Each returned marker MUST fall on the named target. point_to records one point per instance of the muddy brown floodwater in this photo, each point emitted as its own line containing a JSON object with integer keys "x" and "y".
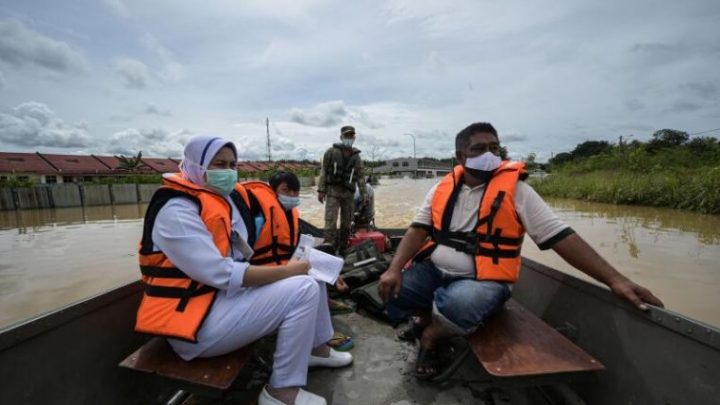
{"x": 51, "y": 258}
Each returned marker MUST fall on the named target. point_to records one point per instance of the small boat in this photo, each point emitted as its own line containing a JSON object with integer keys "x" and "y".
{"x": 657, "y": 357}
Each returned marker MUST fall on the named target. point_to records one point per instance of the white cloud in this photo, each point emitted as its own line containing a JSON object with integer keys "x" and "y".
{"x": 547, "y": 75}
{"x": 151, "y": 142}
{"x": 20, "y": 47}
{"x": 171, "y": 70}
{"x": 33, "y": 124}
{"x": 134, "y": 73}
{"x": 326, "y": 114}
{"x": 333, "y": 113}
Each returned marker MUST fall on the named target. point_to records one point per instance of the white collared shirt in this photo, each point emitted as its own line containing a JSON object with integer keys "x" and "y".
{"x": 540, "y": 223}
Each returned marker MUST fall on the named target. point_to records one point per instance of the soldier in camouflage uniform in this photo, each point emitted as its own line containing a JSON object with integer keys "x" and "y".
{"x": 341, "y": 171}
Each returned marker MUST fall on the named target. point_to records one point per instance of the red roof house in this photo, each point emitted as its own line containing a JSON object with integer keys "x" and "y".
{"x": 24, "y": 163}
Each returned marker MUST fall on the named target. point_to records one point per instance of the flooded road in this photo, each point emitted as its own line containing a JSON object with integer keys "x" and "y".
{"x": 51, "y": 258}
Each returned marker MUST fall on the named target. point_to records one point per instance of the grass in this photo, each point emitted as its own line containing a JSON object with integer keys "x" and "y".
{"x": 695, "y": 189}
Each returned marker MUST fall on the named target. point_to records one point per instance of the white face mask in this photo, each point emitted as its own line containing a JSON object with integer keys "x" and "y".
{"x": 486, "y": 162}
{"x": 348, "y": 141}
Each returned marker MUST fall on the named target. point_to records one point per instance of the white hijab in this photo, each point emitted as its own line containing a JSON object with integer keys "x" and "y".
{"x": 199, "y": 152}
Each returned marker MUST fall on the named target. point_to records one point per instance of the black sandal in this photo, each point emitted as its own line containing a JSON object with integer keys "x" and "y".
{"x": 411, "y": 332}
{"x": 428, "y": 362}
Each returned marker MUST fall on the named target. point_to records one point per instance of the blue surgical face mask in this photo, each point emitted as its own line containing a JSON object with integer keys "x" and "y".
{"x": 348, "y": 141}
{"x": 288, "y": 202}
{"x": 222, "y": 180}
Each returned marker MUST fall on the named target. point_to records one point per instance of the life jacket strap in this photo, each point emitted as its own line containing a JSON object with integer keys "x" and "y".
{"x": 424, "y": 254}
{"x": 162, "y": 272}
{"x": 271, "y": 259}
{"x": 466, "y": 242}
{"x": 500, "y": 240}
{"x": 498, "y": 253}
{"x": 280, "y": 247}
{"x": 184, "y": 294}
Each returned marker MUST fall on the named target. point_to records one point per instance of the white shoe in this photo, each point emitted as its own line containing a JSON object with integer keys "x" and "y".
{"x": 303, "y": 398}
{"x": 335, "y": 359}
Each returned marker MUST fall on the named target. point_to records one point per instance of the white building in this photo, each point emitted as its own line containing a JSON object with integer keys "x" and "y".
{"x": 413, "y": 167}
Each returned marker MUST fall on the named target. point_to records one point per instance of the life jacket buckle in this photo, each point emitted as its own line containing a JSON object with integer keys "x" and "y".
{"x": 471, "y": 242}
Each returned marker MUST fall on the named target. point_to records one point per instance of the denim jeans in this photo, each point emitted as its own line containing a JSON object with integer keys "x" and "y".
{"x": 461, "y": 304}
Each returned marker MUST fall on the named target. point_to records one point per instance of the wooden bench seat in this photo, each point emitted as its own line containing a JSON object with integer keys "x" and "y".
{"x": 516, "y": 343}
{"x": 217, "y": 373}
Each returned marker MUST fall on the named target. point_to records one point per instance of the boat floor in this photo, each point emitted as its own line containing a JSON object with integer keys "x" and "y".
{"x": 382, "y": 374}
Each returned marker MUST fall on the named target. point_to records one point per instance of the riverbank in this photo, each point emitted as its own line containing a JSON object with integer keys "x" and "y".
{"x": 670, "y": 170}
{"x": 695, "y": 189}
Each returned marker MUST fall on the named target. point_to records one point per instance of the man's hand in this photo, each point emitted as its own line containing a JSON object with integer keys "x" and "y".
{"x": 321, "y": 197}
{"x": 341, "y": 285}
{"x": 636, "y": 294}
{"x": 390, "y": 283}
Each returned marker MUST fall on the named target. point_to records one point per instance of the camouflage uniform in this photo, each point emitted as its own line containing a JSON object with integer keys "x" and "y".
{"x": 341, "y": 171}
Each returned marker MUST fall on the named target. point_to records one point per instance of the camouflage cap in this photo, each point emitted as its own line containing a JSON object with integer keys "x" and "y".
{"x": 347, "y": 130}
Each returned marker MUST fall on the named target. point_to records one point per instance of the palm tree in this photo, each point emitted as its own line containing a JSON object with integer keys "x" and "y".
{"x": 131, "y": 164}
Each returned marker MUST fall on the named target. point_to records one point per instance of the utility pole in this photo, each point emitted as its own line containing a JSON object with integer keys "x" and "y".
{"x": 414, "y": 154}
{"x": 267, "y": 131}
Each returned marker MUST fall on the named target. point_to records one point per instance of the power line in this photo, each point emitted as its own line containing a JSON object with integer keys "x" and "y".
{"x": 705, "y": 132}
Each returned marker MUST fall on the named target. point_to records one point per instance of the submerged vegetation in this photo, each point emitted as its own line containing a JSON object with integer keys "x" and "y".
{"x": 670, "y": 170}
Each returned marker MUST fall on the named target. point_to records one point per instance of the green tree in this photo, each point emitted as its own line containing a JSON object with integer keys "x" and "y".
{"x": 530, "y": 163}
{"x": 702, "y": 144}
{"x": 591, "y": 148}
{"x": 131, "y": 164}
{"x": 560, "y": 158}
{"x": 670, "y": 137}
{"x": 16, "y": 182}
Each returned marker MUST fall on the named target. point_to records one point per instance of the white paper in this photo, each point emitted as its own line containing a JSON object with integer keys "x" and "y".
{"x": 305, "y": 243}
{"x": 323, "y": 267}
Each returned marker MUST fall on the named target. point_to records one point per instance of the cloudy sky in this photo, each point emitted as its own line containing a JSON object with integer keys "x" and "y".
{"x": 120, "y": 76}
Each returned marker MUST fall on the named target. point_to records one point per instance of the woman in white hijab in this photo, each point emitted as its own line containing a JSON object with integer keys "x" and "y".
{"x": 251, "y": 301}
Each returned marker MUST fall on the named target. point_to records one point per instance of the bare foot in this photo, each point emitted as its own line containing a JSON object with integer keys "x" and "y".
{"x": 432, "y": 333}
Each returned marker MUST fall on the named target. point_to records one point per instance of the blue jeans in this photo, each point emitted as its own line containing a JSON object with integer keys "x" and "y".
{"x": 461, "y": 304}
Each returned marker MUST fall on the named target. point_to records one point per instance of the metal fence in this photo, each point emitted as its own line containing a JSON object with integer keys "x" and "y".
{"x": 83, "y": 195}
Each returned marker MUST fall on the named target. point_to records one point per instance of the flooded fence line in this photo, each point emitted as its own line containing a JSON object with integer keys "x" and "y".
{"x": 84, "y": 195}
{"x": 74, "y": 195}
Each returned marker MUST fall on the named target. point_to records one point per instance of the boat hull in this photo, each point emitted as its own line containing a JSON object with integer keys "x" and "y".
{"x": 653, "y": 357}
{"x": 71, "y": 355}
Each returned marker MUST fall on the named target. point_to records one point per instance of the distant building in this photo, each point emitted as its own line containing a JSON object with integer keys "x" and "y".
{"x": 412, "y": 166}
{"x": 44, "y": 168}
{"x": 25, "y": 166}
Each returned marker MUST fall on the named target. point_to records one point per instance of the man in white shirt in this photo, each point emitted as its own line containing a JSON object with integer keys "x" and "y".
{"x": 471, "y": 263}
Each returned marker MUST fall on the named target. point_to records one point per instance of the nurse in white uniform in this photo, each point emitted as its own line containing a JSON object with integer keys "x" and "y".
{"x": 252, "y": 301}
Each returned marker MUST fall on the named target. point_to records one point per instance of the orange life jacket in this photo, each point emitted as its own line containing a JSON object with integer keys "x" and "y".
{"x": 498, "y": 233}
{"x": 279, "y": 234}
{"x": 174, "y": 305}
